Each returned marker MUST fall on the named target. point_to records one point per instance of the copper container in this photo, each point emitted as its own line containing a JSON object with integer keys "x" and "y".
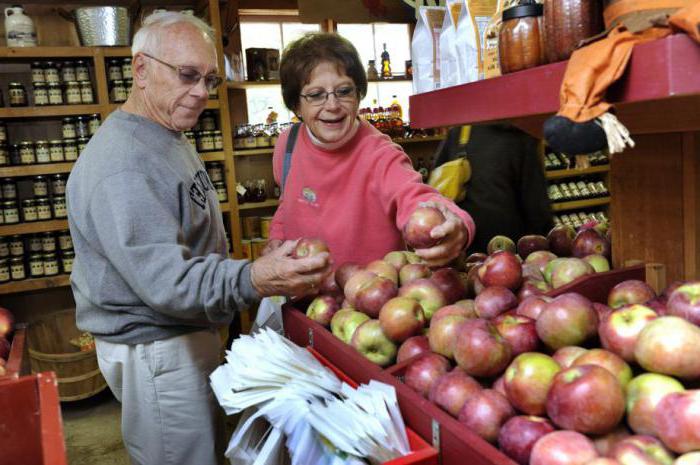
{"x": 521, "y": 38}
{"x": 567, "y": 23}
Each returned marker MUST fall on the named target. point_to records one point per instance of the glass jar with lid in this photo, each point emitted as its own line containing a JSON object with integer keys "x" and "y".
{"x": 213, "y": 93}
{"x": 82, "y": 127}
{"x": 29, "y": 210}
{"x": 65, "y": 242}
{"x": 59, "y": 206}
{"x": 36, "y": 265}
{"x": 37, "y": 69}
{"x": 205, "y": 141}
{"x": 26, "y": 153}
{"x": 82, "y": 143}
{"x": 17, "y": 272}
{"x": 34, "y": 243}
{"x": 9, "y": 189}
{"x": 40, "y": 186}
{"x": 94, "y": 123}
{"x": 86, "y": 95}
{"x": 51, "y": 74}
{"x": 4, "y": 247}
{"x": 250, "y": 141}
{"x": 521, "y": 38}
{"x": 14, "y": 154}
{"x": 238, "y": 138}
{"x": 81, "y": 71}
{"x": 10, "y": 212}
{"x": 18, "y": 94}
{"x": 50, "y": 264}
{"x": 118, "y": 93}
{"x": 70, "y": 150}
{"x": 3, "y": 132}
{"x": 215, "y": 172}
{"x": 55, "y": 94}
{"x": 114, "y": 70}
{"x": 41, "y": 94}
{"x": 4, "y": 154}
{"x": 68, "y": 71}
{"x": 221, "y": 193}
{"x": 73, "y": 96}
{"x": 191, "y": 138}
{"x": 126, "y": 68}
{"x": 42, "y": 151}
{"x": 4, "y": 270}
{"x": 67, "y": 259}
{"x": 56, "y": 150}
{"x": 208, "y": 121}
{"x": 218, "y": 140}
{"x": 16, "y": 245}
{"x": 43, "y": 208}
{"x": 58, "y": 184}
{"x": 48, "y": 242}
{"x": 68, "y": 128}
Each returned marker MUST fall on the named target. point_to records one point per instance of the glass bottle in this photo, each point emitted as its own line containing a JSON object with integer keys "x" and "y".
{"x": 372, "y": 73}
{"x": 386, "y": 64}
{"x": 260, "y": 190}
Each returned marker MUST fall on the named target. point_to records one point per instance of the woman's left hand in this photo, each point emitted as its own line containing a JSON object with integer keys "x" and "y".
{"x": 453, "y": 234}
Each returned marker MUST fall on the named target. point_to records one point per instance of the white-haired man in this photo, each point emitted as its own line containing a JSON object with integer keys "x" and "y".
{"x": 151, "y": 277}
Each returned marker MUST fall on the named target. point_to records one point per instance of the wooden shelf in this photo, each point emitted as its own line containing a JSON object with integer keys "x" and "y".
{"x": 212, "y": 156}
{"x": 276, "y": 82}
{"x": 658, "y": 70}
{"x": 254, "y": 205}
{"x": 33, "y": 227}
{"x": 576, "y": 204}
{"x": 116, "y": 52}
{"x": 49, "y": 111}
{"x": 35, "y": 284}
{"x": 402, "y": 141}
{"x": 35, "y": 170}
{"x": 559, "y": 174}
{"x": 247, "y": 152}
{"x": 213, "y": 104}
{"x": 225, "y": 207}
{"x": 47, "y": 52}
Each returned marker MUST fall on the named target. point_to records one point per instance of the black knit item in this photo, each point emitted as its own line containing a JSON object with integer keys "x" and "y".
{"x": 566, "y": 136}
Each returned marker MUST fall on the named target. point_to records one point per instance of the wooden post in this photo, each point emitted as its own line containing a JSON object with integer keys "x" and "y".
{"x": 656, "y": 276}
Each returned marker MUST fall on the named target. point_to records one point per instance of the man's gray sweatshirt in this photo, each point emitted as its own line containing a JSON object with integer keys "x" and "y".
{"x": 150, "y": 247}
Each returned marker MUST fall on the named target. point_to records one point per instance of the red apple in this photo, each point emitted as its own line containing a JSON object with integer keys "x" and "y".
{"x": 561, "y": 240}
{"x": 501, "y": 269}
{"x": 449, "y": 282}
{"x": 500, "y": 385}
{"x": 666, "y": 293}
{"x": 519, "y": 331}
{"x": 426, "y": 293}
{"x": 422, "y": 373}
{"x": 4, "y": 348}
{"x": 566, "y": 356}
{"x": 519, "y": 434}
{"x": 485, "y": 412}
{"x": 630, "y": 292}
{"x": 590, "y": 242}
{"x": 468, "y": 305}
{"x": 322, "y": 309}
{"x": 531, "y": 272}
{"x": 685, "y": 302}
{"x": 465, "y": 309}
{"x": 527, "y": 381}
{"x": 567, "y": 320}
{"x": 473, "y": 283}
{"x": 384, "y": 269}
{"x": 401, "y": 318}
{"x": 344, "y": 272}
{"x": 397, "y": 259}
{"x": 643, "y": 395}
{"x": 620, "y": 329}
{"x": 443, "y": 333}
{"x": 691, "y": 458}
{"x": 357, "y": 280}
{"x": 587, "y": 399}
{"x": 677, "y": 421}
{"x": 476, "y": 257}
{"x": 603, "y": 461}
{"x": 532, "y": 289}
{"x": 532, "y": 243}
{"x": 563, "y": 448}
{"x": 531, "y": 307}
{"x": 499, "y": 244}
{"x": 599, "y": 263}
{"x": 670, "y": 346}
{"x": 606, "y": 443}
{"x": 329, "y": 286}
{"x": 641, "y": 450}
{"x": 308, "y": 247}
{"x": 493, "y": 301}
{"x": 608, "y": 360}
{"x": 567, "y": 270}
{"x": 413, "y": 271}
{"x": 452, "y": 390}
{"x": 344, "y": 323}
{"x": 374, "y": 294}
{"x": 658, "y": 305}
{"x": 601, "y": 310}
{"x": 370, "y": 341}
{"x": 7, "y": 322}
{"x": 413, "y": 346}
{"x": 479, "y": 349}
{"x": 540, "y": 259}
{"x": 417, "y": 229}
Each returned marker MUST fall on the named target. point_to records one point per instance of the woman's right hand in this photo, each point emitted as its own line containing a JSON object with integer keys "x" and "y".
{"x": 277, "y": 273}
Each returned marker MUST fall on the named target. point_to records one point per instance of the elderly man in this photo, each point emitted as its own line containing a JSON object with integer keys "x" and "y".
{"x": 151, "y": 279}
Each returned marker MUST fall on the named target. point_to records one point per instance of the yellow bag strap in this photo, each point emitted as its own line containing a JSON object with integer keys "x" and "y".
{"x": 464, "y": 135}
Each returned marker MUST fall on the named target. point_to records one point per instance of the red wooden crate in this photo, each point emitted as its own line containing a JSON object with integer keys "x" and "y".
{"x": 421, "y": 452}
{"x": 596, "y": 287}
{"x": 30, "y": 421}
{"x": 16, "y": 359}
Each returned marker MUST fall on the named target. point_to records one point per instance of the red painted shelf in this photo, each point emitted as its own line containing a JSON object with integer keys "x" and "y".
{"x": 665, "y": 69}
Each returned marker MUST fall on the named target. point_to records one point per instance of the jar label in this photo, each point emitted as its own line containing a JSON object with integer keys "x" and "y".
{"x": 43, "y": 155}
{"x": 67, "y": 265}
{"x": 56, "y": 153}
{"x": 50, "y": 267}
{"x": 73, "y": 95}
{"x": 16, "y": 248}
{"x": 36, "y": 268}
{"x": 11, "y": 215}
{"x": 86, "y": 95}
{"x": 65, "y": 242}
{"x": 81, "y": 74}
{"x": 18, "y": 271}
{"x": 41, "y": 97}
{"x": 4, "y": 273}
{"x": 29, "y": 213}
{"x": 44, "y": 212}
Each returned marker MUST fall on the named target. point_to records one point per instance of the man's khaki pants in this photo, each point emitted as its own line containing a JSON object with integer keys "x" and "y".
{"x": 168, "y": 408}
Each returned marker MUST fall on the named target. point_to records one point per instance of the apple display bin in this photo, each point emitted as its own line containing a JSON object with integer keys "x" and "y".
{"x": 456, "y": 443}
{"x": 421, "y": 452}
{"x": 30, "y": 421}
{"x": 15, "y": 362}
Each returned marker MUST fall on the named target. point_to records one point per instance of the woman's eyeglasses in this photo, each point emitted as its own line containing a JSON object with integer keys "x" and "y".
{"x": 342, "y": 94}
{"x": 189, "y": 76}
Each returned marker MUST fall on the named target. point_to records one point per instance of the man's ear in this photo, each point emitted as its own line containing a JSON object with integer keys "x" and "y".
{"x": 139, "y": 69}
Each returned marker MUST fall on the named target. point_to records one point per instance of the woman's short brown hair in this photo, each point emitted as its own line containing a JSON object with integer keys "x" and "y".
{"x": 302, "y": 56}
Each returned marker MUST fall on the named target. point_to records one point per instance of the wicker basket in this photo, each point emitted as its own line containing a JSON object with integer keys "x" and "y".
{"x": 78, "y": 375}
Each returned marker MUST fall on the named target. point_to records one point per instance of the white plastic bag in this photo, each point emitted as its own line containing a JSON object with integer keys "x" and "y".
{"x": 449, "y": 71}
{"x": 425, "y": 49}
{"x": 467, "y": 46}
{"x": 270, "y": 315}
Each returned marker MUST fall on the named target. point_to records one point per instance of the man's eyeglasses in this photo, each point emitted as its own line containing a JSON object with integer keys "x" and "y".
{"x": 343, "y": 94}
{"x": 189, "y": 76}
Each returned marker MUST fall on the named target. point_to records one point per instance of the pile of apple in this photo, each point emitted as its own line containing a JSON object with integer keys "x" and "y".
{"x": 551, "y": 381}
{"x": 6, "y": 326}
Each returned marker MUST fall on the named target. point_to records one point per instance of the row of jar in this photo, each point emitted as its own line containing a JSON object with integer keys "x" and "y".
{"x": 255, "y": 190}
{"x": 53, "y": 93}
{"x": 39, "y": 152}
{"x": 56, "y": 72}
{"x": 208, "y": 121}
{"x": 206, "y": 141}
{"x": 40, "y": 186}
{"x": 252, "y": 136}
{"x": 37, "y": 209}
{"x": 253, "y": 227}
{"x": 578, "y": 219}
{"x": 580, "y": 190}
{"x": 71, "y": 127}
{"x": 46, "y": 242}
{"x": 37, "y": 265}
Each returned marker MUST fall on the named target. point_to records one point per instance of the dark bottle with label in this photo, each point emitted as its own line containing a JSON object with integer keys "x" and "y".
{"x": 386, "y": 64}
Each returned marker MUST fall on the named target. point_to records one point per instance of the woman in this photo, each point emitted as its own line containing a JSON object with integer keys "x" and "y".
{"x": 347, "y": 183}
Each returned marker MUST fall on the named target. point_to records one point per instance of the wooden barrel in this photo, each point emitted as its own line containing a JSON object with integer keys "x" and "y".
{"x": 49, "y": 349}
{"x": 617, "y": 11}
